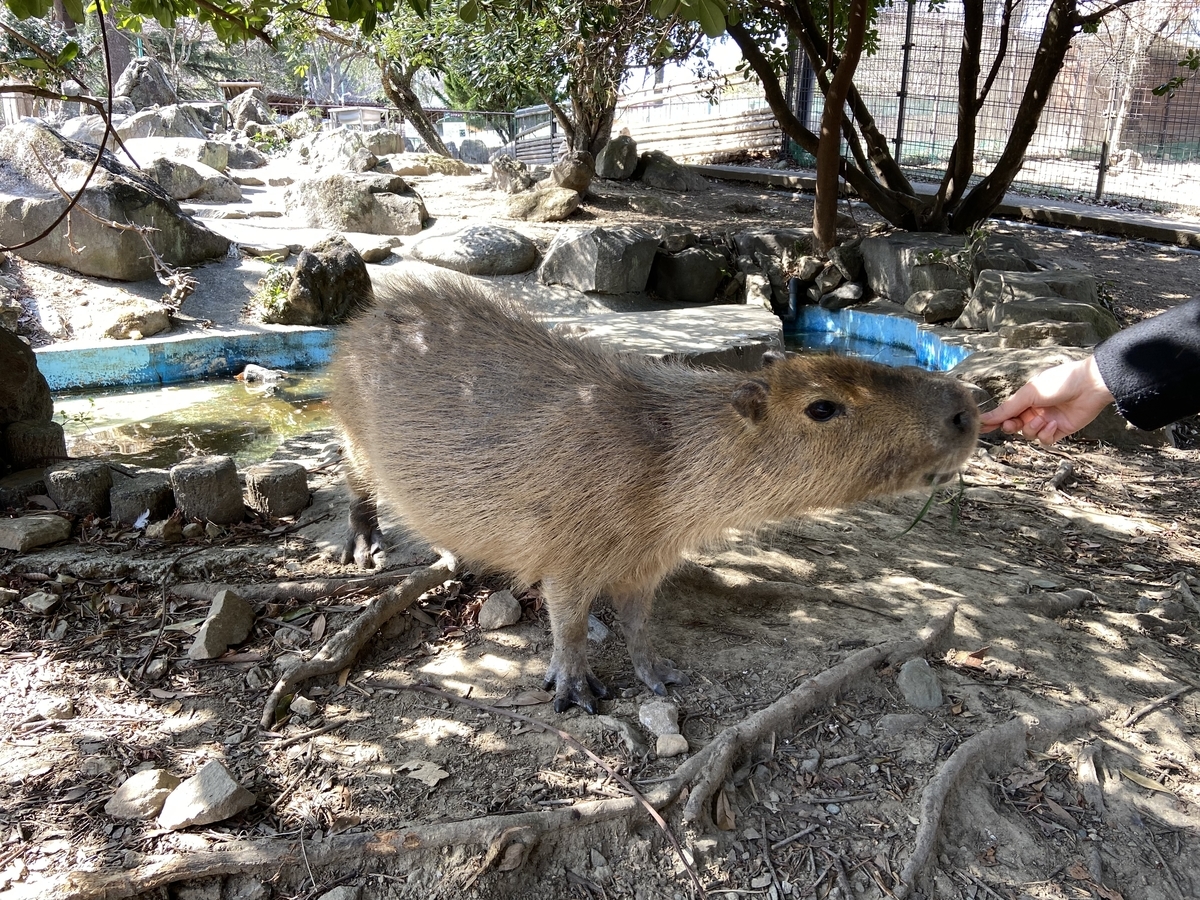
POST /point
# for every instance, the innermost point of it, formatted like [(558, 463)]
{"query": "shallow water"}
[(159, 426), (847, 345)]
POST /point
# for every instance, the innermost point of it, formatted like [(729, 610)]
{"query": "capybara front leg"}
[(569, 673), (364, 539), (633, 611)]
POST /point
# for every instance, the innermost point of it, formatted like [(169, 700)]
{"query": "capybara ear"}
[(750, 399), (770, 357)]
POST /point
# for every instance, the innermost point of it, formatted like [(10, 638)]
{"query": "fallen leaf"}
[(423, 771), (318, 627), (1148, 783), (723, 814)]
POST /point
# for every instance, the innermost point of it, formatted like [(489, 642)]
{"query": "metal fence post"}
[(903, 92)]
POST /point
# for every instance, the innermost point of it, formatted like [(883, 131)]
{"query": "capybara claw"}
[(657, 674), (583, 691)]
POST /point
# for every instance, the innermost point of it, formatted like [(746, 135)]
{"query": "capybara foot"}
[(656, 673), (582, 689), (362, 548)]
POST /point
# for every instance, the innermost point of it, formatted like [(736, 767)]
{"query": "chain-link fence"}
[(1104, 134)]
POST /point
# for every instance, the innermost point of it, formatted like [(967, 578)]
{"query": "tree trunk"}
[(397, 85), (829, 155)]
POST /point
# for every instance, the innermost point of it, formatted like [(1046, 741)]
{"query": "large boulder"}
[(474, 151), (574, 171), (510, 175), (690, 276), (544, 204), (996, 287), (24, 394), (37, 166), (375, 204), (330, 283), (145, 84), (167, 121), (185, 180), (250, 106), (138, 151), (605, 260), (478, 250), (657, 170), (617, 159), (900, 264)]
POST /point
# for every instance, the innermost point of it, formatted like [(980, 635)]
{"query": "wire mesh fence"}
[(1104, 134)]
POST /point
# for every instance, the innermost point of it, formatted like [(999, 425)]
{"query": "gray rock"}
[(548, 204), (148, 490), (758, 291), (676, 238), (8, 595), (937, 276), (935, 307), (597, 632), (499, 610), (56, 709), (342, 892), (1047, 334), (374, 204), (363, 160), (656, 169), (629, 735), (574, 171), (40, 602), (207, 488), (807, 268), (245, 887), (303, 706), (618, 158), (29, 532), (389, 141), (669, 745), (691, 276), (230, 620), (1001, 372), (994, 287), (919, 685), (888, 262), (840, 297), (510, 175), (80, 486), (659, 717), (848, 259), (213, 154), (375, 251), (776, 242), (478, 250), (145, 83), (211, 795), (31, 444), (29, 202), (250, 106), (142, 795), (168, 122), (1025, 312), (473, 151), (606, 260), (277, 488), (133, 322), (329, 284)]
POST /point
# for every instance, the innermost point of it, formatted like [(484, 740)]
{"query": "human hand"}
[(1054, 403)]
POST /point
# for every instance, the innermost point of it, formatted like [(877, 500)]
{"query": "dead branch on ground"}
[(295, 591), (343, 648)]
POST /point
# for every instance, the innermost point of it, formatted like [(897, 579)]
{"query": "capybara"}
[(560, 461)]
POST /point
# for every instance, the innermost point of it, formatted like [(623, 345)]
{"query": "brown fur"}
[(592, 471)]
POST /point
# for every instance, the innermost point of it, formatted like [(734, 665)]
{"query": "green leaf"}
[(74, 9), (469, 12), (23, 9), (68, 53), (33, 62), (712, 17)]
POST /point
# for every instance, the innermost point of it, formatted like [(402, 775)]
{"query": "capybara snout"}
[(560, 461)]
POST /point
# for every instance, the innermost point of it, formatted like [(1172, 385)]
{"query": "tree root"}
[(342, 648), (1000, 745), (708, 768), (295, 591)]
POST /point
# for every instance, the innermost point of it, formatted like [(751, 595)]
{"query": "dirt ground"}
[(835, 784)]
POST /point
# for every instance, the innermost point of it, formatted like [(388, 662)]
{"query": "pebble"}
[(302, 706), (499, 610), (28, 532), (169, 531), (40, 602), (669, 745), (8, 595), (56, 708), (659, 717), (211, 795), (919, 685), (142, 795), (597, 631)]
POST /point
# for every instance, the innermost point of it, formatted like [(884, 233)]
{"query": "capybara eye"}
[(823, 410)]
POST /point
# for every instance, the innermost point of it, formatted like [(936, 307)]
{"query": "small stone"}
[(342, 892), (56, 709), (659, 717), (40, 602), (500, 610), (212, 531), (230, 620), (277, 488), (29, 532), (99, 766), (142, 795), (1173, 610), (919, 684), (8, 595), (669, 745), (597, 631), (211, 795), (169, 531), (302, 706), (193, 531), (629, 735)]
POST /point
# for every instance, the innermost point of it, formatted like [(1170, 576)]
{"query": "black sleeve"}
[(1153, 368)]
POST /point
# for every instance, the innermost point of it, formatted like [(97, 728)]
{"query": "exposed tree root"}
[(1051, 606), (707, 769), (1000, 745), (297, 591), (342, 648)]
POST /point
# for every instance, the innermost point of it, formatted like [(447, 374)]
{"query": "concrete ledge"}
[(182, 357), (898, 337)]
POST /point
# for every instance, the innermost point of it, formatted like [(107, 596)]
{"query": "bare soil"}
[(830, 804)]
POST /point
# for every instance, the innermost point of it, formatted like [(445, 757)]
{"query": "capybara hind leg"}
[(364, 539), (569, 673), (633, 611)]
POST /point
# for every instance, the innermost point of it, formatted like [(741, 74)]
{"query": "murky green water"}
[(158, 426)]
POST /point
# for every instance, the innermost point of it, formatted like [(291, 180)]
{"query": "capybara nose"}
[(963, 421)]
